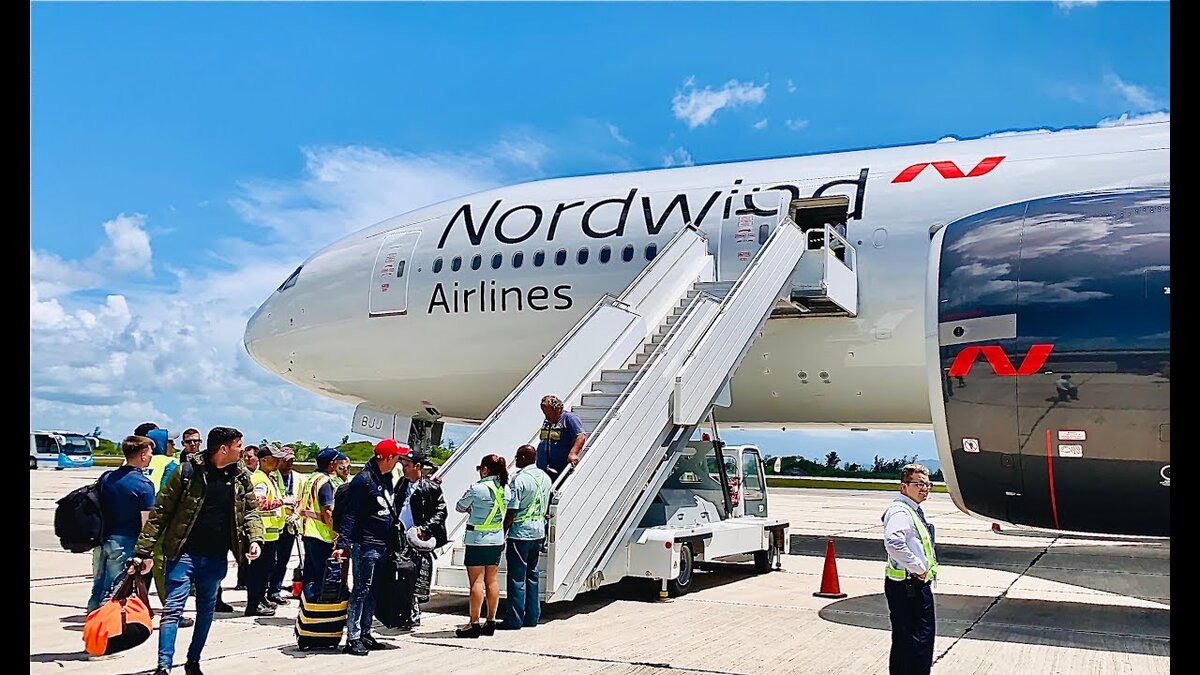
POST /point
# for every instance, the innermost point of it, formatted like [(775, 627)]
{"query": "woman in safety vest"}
[(486, 501)]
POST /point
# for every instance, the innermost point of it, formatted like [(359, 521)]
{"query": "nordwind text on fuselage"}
[(521, 222)]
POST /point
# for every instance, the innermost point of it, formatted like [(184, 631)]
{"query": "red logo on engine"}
[(948, 169), (999, 362)]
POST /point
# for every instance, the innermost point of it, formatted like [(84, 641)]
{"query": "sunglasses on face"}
[(191, 441)]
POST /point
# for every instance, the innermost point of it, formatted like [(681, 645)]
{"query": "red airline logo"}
[(948, 169), (999, 362)]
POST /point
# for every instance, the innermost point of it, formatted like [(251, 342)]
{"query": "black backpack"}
[(339, 505), (79, 520)]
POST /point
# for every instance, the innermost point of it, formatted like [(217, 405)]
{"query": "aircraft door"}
[(740, 238), (389, 278), (754, 484)]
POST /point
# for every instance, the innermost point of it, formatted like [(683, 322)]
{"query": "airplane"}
[(1013, 295)]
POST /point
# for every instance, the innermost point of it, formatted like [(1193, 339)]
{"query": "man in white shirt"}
[(911, 569)]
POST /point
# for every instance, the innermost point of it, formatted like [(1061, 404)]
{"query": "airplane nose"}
[(262, 339)]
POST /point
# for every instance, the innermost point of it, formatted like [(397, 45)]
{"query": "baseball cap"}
[(288, 452), (416, 456), (268, 451), (390, 448), (327, 456)]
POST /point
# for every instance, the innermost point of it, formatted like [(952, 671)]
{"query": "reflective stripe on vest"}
[(896, 573), (495, 519), (156, 470), (537, 509), (314, 527), (272, 519)]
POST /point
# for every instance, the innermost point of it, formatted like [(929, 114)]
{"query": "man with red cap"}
[(367, 529)]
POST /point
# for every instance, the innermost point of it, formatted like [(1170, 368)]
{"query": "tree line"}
[(834, 467)]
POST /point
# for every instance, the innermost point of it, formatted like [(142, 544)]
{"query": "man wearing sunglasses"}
[(191, 441), (911, 569)]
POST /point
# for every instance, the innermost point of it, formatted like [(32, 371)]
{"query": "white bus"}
[(60, 449)]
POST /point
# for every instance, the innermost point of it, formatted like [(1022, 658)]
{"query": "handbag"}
[(124, 622)]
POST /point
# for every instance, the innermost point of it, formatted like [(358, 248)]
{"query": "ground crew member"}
[(525, 528), (485, 502), (270, 506), (316, 516), (911, 569)]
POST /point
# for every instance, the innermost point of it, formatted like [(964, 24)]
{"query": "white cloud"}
[(1135, 95), (1127, 120), (791, 87), (795, 125), (174, 354), (1068, 5), (128, 247), (696, 107), (523, 150), (679, 157), (761, 124), (616, 134)]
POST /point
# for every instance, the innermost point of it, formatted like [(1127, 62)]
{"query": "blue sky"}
[(184, 158)]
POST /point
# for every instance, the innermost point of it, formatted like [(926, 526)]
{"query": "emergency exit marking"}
[(1070, 451), (1064, 435), (970, 444)]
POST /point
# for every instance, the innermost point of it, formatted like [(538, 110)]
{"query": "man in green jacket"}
[(206, 509)]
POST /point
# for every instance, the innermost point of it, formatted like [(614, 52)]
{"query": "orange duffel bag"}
[(124, 622)]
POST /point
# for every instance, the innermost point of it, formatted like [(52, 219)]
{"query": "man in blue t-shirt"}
[(561, 440), (126, 499)]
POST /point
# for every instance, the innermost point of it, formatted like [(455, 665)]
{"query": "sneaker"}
[(262, 610), (471, 631), (192, 668), (162, 671), (269, 603), (488, 628), (278, 600), (356, 648), (239, 587), (186, 622), (375, 645), (223, 608)]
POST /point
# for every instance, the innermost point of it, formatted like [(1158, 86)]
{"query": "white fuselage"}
[(441, 339)]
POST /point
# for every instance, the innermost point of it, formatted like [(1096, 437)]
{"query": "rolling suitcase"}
[(323, 607)]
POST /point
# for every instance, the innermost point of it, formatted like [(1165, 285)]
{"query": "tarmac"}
[(1016, 601)]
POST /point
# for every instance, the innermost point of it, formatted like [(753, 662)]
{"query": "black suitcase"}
[(323, 607)]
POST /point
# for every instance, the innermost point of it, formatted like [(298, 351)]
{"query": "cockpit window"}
[(291, 280)]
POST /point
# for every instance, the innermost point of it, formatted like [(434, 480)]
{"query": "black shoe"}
[(488, 628), (186, 622), (162, 671), (278, 599), (223, 608), (355, 647), (267, 601), (192, 668), (375, 645), (262, 610), (472, 631), (239, 587)]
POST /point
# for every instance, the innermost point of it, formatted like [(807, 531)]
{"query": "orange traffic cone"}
[(829, 579)]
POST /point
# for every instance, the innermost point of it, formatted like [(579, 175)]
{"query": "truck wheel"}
[(33, 464), (762, 562), (681, 584)]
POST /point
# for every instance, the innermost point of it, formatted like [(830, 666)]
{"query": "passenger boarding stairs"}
[(641, 371)]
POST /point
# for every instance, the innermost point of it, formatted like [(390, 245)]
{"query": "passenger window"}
[(605, 254), (651, 251), (476, 262), (518, 259), (456, 264), (627, 253), (437, 265), (560, 257), (497, 261), (582, 256), (539, 258)]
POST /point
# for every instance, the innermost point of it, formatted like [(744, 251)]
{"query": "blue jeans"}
[(524, 600), (107, 564), (316, 554), (204, 571), (363, 558)]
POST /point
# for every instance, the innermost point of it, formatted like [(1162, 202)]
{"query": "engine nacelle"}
[(1049, 342)]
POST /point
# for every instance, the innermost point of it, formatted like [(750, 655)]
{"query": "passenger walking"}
[(911, 570), (270, 504), (423, 516), (486, 502), (285, 482), (525, 532), (561, 439), (126, 498), (206, 510), (367, 529)]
